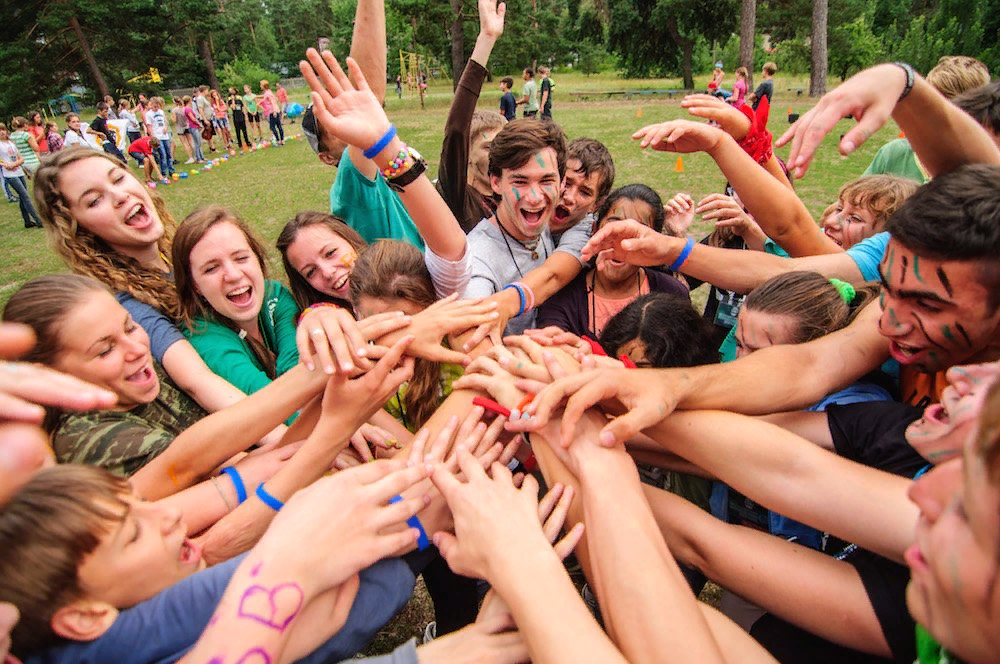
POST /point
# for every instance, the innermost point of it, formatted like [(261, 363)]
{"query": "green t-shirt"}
[(370, 207), (20, 139), (251, 102), (530, 90), (229, 355), (897, 158), (122, 442)]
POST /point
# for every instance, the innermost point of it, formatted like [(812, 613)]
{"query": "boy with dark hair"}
[(526, 165), (590, 174), (766, 87), (508, 103), (144, 150)]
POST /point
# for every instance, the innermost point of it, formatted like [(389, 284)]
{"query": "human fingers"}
[(398, 512), (470, 424), (481, 440), (553, 524), (599, 389), (540, 409), (482, 332), (438, 353), (565, 546), (375, 327), (15, 340), (626, 426), (360, 82), (397, 481), (360, 445), (25, 387), (469, 465), (23, 451), (337, 72), (378, 436), (380, 372), (528, 345), (547, 503), (442, 442), (449, 485), (418, 446), (510, 449), (319, 78)]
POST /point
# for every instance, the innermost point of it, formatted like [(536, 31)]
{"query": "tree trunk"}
[(413, 24), (748, 26), (206, 55), (457, 44), (817, 77), (95, 71), (687, 52)]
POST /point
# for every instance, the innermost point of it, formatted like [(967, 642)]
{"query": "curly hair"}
[(88, 254)]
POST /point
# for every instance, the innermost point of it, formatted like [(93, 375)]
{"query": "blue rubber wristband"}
[(374, 150), (241, 488), (268, 499), (520, 294), (413, 522), (685, 252)]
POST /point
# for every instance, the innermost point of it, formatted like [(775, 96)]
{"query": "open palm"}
[(346, 110)]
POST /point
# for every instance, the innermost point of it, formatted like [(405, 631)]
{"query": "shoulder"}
[(664, 283)]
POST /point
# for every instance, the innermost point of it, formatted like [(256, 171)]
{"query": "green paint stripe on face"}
[(539, 160), (916, 268), (946, 331)]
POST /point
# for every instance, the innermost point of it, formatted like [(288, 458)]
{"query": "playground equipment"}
[(415, 69), (66, 103), (151, 76)]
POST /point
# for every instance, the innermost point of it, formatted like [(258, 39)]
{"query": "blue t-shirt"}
[(868, 253), (508, 106), (161, 330), (370, 207), (164, 628)]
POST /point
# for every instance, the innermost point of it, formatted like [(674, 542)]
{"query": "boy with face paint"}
[(527, 162)]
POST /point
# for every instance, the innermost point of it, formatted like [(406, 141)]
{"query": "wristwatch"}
[(407, 177), (911, 78)]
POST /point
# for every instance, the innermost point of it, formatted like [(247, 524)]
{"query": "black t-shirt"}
[(765, 89), (873, 434), (546, 85), (885, 584), (236, 102), (101, 124), (508, 106)]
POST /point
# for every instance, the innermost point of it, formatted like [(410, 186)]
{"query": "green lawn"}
[(269, 187)]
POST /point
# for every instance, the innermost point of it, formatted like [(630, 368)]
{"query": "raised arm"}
[(352, 113), (369, 51), (774, 205), (453, 165), (943, 136)]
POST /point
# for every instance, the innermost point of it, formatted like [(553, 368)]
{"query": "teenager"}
[(238, 107), (269, 106), (766, 86), (508, 103), (253, 114), (12, 171)]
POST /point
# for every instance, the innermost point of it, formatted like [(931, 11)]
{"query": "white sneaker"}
[(430, 632), (189, 161)]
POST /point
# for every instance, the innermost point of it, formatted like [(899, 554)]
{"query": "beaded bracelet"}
[(313, 307), (398, 165)]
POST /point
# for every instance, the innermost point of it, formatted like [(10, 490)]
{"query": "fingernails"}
[(361, 352), (347, 366), (607, 438), (848, 147)]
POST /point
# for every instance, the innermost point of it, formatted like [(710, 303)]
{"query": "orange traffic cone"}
[(679, 167), (638, 113), (902, 134)]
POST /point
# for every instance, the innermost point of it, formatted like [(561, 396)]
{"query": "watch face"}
[(413, 153)]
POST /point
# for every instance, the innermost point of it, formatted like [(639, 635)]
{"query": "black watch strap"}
[(401, 181), (911, 78)]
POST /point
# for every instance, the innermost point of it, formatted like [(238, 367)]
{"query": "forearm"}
[(368, 44), (659, 615), (484, 46), (433, 218), (789, 475), (204, 503), (730, 269), (215, 438), (544, 281), (780, 213), (186, 368), (943, 136), (574, 636), (453, 165)]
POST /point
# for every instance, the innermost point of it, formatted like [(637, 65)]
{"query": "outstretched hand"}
[(491, 17), (682, 136), (731, 119), (349, 111), (869, 97), (631, 242)]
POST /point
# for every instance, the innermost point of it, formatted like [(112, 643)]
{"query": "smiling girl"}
[(587, 303)]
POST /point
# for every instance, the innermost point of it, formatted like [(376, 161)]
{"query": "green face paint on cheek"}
[(892, 257), (946, 331), (517, 194), (892, 317)]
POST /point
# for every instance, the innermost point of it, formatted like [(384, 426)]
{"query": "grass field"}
[(269, 187)]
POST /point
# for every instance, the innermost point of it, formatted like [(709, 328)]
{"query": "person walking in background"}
[(36, 127), (529, 94), (546, 91), (399, 86), (132, 129), (181, 129), (253, 113), (508, 103), (194, 130), (269, 107), (238, 106), (161, 132), (112, 113), (13, 176), (26, 145)]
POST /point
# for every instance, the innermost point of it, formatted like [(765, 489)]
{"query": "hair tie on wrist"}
[(685, 252), (413, 522), (845, 289), (241, 489), (381, 144), (268, 499)]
